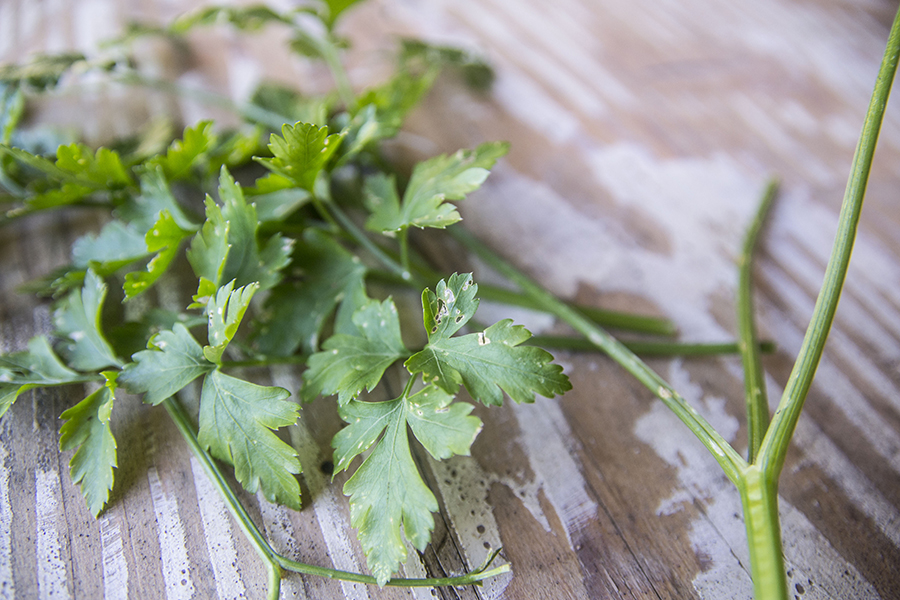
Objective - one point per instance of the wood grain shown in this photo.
(642, 134)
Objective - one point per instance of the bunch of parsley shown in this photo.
(289, 254)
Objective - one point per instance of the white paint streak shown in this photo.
(546, 439)
(332, 521)
(280, 533)
(52, 579)
(464, 488)
(7, 585)
(219, 536)
(172, 543)
(115, 567)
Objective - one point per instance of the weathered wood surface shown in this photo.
(642, 133)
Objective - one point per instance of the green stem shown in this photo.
(374, 249)
(469, 578)
(759, 498)
(777, 438)
(606, 318)
(754, 382)
(404, 251)
(646, 348)
(727, 457)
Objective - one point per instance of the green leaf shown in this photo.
(387, 490)
(475, 71)
(118, 244)
(393, 101)
(288, 103)
(38, 163)
(227, 247)
(487, 363)
(236, 423)
(295, 313)
(87, 429)
(237, 149)
(209, 248)
(433, 182)
(143, 210)
(350, 363)
(37, 367)
(301, 152)
(77, 318)
(450, 306)
(226, 310)
(67, 193)
(248, 18)
(185, 154)
(163, 238)
(44, 70)
(102, 168)
(173, 360)
(335, 8)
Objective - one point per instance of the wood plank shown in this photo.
(642, 134)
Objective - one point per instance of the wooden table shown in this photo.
(642, 135)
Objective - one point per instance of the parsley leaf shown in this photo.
(118, 244)
(227, 247)
(387, 490)
(226, 310)
(296, 312)
(486, 362)
(36, 367)
(143, 210)
(301, 152)
(77, 318)
(173, 360)
(350, 363)
(102, 168)
(87, 429)
(185, 154)
(432, 183)
(236, 423)
(44, 71)
(163, 238)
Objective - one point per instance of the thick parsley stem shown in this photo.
(727, 457)
(759, 499)
(777, 438)
(274, 561)
(754, 382)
